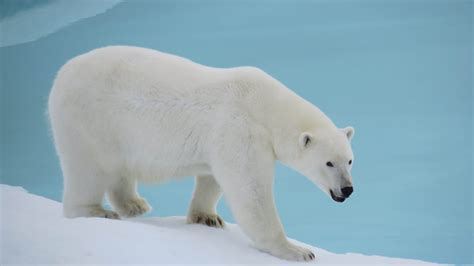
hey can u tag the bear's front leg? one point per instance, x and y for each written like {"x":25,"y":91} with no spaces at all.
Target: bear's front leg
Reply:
{"x":247,"y":182}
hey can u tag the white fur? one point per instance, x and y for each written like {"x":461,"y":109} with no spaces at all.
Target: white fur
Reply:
{"x":125,"y":114}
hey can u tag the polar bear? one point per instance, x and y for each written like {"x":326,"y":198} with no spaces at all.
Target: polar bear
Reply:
{"x":124,"y":114}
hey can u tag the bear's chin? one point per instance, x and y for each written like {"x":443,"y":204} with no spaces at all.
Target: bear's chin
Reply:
{"x":336,"y":198}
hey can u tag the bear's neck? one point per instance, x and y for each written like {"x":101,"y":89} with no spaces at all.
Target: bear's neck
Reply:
{"x":285,"y":115}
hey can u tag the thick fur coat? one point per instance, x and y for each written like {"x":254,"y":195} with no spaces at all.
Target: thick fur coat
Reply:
{"x":125,"y":114}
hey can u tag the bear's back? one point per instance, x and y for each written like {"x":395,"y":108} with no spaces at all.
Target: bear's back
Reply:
{"x":135,"y":72}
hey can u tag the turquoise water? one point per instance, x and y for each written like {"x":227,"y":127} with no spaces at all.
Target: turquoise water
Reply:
{"x":400,"y":72}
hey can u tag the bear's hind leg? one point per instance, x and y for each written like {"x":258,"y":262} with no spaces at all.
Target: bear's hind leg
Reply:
{"x":202,"y":209}
{"x":125,"y":200}
{"x":84,"y":189}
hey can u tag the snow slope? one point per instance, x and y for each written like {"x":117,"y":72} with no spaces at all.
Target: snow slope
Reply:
{"x":34,"y":231}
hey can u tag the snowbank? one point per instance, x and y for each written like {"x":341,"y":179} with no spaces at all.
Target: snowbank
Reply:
{"x":34,"y":231}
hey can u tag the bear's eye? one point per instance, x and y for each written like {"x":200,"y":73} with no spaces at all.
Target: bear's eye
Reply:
{"x":329,"y":164}
{"x":350,"y":162}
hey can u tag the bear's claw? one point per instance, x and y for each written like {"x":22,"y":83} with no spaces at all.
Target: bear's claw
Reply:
{"x":212,"y":220}
{"x":291,"y":252}
{"x":99,"y":212}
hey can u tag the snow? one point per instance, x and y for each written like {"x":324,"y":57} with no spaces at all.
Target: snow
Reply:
{"x":34,"y":231}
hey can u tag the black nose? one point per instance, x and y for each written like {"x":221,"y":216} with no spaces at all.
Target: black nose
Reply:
{"x":347,"y":191}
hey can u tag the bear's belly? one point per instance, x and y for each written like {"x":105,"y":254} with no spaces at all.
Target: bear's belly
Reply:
{"x":159,"y":172}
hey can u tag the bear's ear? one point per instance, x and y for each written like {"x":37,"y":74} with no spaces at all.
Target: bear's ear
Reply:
{"x":349,"y":131}
{"x":306,"y":139}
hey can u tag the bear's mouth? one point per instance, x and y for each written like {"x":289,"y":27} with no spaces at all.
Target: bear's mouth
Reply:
{"x":336,"y":198}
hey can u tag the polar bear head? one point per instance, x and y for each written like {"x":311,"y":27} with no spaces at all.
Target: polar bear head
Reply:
{"x":326,"y":158}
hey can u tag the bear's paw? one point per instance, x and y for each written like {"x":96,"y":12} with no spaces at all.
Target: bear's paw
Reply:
{"x":291,"y":252}
{"x":212,"y":220}
{"x":133,"y":207}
